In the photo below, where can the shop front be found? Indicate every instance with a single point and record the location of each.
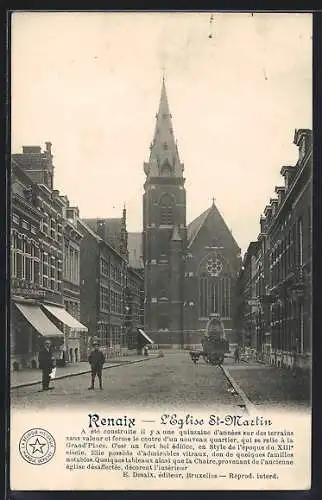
(29, 329)
(75, 334)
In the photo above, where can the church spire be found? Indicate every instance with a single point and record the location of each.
(164, 156)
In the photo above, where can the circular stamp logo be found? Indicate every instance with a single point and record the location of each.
(37, 446)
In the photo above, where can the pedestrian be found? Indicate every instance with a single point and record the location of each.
(236, 355)
(146, 350)
(46, 364)
(96, 359)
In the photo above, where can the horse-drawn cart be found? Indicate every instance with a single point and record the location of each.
(214, 344)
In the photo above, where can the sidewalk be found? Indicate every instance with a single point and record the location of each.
(265, 384)
(30, 376)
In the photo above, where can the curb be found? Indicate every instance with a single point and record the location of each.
(29, 384)
(248, 404)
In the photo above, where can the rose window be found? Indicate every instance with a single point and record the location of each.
(214, 266)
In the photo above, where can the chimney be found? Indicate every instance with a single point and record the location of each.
(100, 225)
(48, 147)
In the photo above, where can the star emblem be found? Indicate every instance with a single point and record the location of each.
(37, 446)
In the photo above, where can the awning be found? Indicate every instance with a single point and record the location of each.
(145, 336)
(39, 320)
(66, 318)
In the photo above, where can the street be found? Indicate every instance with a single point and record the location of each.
(172, 381)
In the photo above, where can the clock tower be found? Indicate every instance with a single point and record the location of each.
(164, 232)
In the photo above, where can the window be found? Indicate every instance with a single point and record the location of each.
(15, 219)
(166, 210)
(104, 267)
(53, 229)
(14, 255)
(215, 296)
(203, 296)
(300, 241)
(76, 268)
(45, 268)
(33, 229)
(116, 335)
(104, 298)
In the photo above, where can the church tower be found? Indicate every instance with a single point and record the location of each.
(164, 232)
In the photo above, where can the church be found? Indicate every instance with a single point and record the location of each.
(190, 270)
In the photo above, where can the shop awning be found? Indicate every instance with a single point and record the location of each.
(39, 320)
(66, 318)
(145, 336)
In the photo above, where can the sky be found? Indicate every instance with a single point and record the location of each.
(90, 83)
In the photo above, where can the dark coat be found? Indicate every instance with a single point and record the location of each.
(45, 360)
(96, 358)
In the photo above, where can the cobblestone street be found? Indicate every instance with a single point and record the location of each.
(173, 381)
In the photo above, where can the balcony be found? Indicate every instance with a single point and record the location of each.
(26, 288)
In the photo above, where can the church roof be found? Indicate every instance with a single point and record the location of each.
(196, 225)
(135, 249)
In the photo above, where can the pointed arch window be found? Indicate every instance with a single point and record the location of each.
(215, 296)
(215, 288)
(166, 210)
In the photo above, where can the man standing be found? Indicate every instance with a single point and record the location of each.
(236, 355)
(46, 364)
(96, 359)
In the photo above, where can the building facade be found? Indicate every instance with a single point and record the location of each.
(37, 237)
(103, 283)
(134, 320)
(283, 290)
(212, 265)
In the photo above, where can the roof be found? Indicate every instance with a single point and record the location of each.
(196, 225)
(135, 249)
(111, 229)
(89, 230)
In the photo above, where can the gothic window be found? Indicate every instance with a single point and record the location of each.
(166, 210)
(214, 266)
(214, 288)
